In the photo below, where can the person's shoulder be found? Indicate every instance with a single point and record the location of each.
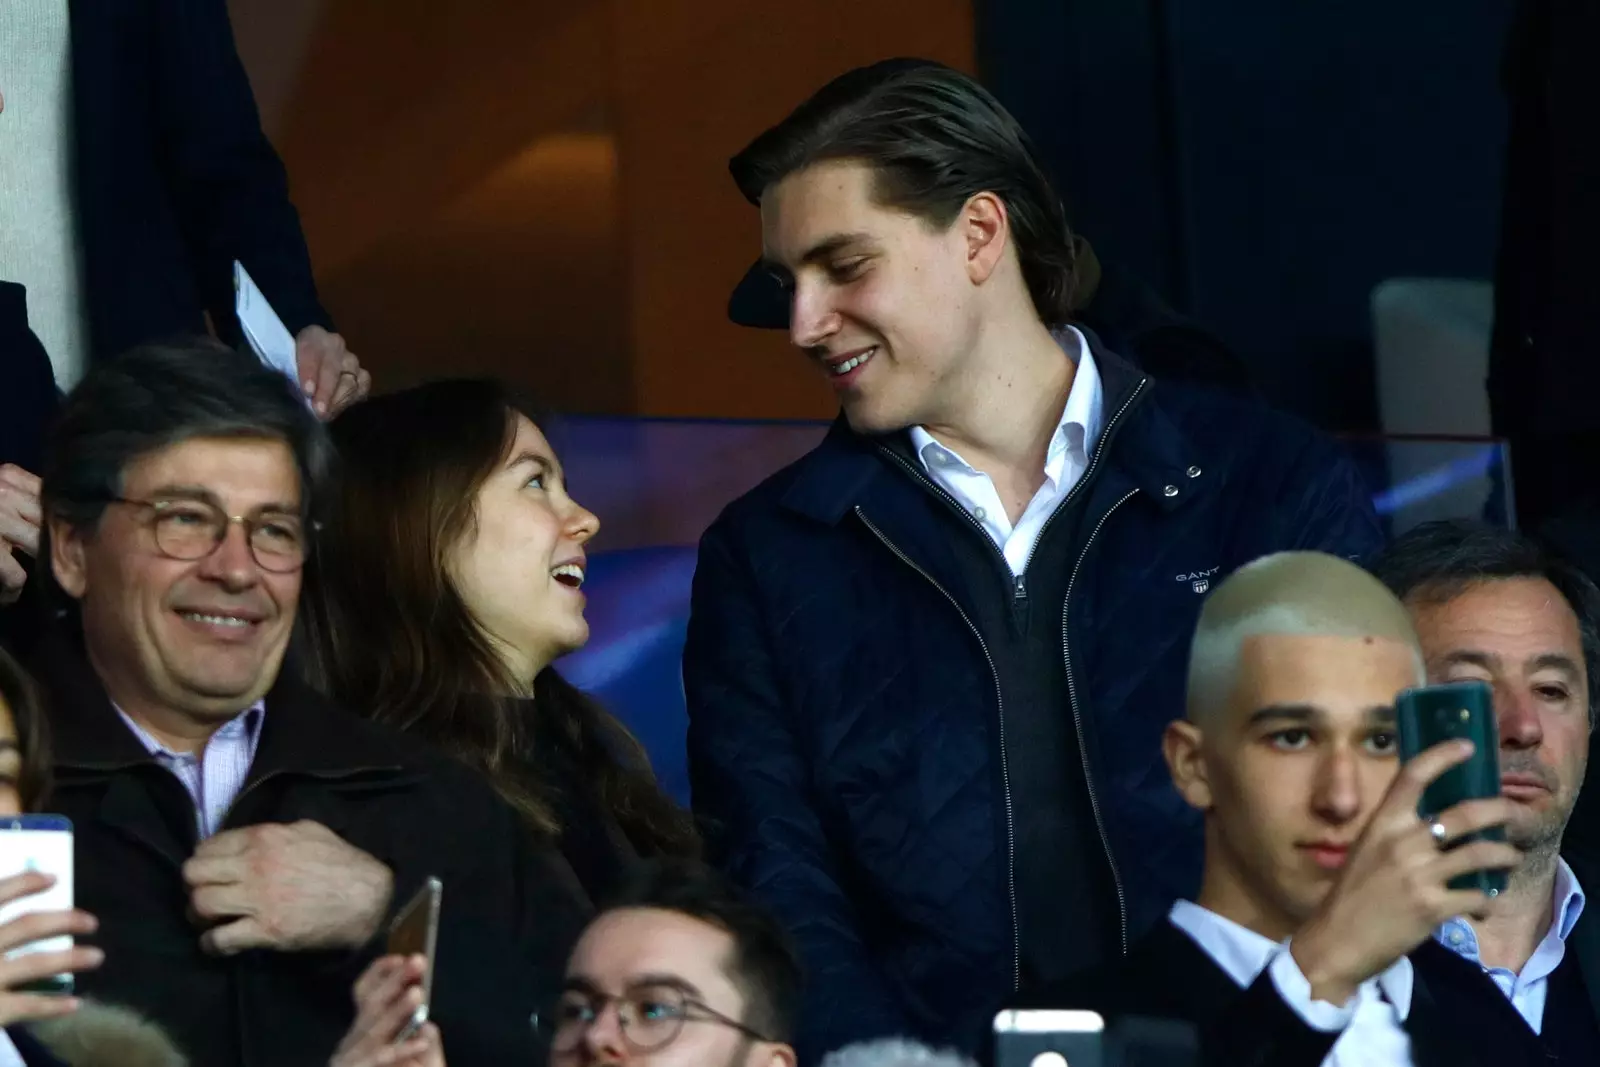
(1240, 430)
(839, 456)
(362, 740)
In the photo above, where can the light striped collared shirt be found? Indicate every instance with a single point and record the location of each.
(214, 775)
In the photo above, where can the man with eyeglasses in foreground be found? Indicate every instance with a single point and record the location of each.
(679, 970)
(241, 840)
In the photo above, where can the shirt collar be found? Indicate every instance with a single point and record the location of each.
(1082, 419)
(1568, 898)
(247, 722)
(1243, 954)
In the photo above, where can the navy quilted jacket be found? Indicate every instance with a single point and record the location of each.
(843, 719)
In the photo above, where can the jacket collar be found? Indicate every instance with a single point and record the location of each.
(1141, 444)
(302, 732)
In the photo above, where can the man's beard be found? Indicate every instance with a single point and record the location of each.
(1542, 836)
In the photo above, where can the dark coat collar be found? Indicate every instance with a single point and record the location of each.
(1584, 941)
(302, 731)
(1141, 443)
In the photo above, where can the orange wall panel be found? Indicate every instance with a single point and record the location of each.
(695, 81)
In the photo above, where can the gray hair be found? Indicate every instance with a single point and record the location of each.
(895, 1052)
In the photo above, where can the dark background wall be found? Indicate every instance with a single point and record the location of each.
(1265, 163)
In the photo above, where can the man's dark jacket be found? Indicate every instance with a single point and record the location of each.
(174, 181)
(1168, 976)
(175, 178)
(29, 384)
(511, 910)
(844, 730)
(1485, 1017)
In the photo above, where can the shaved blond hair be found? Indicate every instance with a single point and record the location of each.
(1292, 594)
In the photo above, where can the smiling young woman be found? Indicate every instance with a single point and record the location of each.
(443, 586)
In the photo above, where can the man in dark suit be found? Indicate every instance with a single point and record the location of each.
(133, 172)
(1319, 875)
(1491, 604)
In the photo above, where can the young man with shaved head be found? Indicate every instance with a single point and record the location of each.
(1319, 875)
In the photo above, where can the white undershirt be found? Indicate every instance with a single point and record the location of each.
(1371, 1024)
(1082, 420)
(9, 1056)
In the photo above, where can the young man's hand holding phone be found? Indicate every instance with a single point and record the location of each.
(1434, 849)
(393, 996)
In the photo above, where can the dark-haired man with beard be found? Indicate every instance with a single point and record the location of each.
(1491, 605)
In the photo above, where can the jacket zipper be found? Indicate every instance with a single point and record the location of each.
(1005, 766)
(1077, 722)
(1021, 589)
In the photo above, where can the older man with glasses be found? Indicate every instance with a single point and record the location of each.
(242, 841)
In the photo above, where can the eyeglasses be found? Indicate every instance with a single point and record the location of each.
(650, 1017)
(193, 529)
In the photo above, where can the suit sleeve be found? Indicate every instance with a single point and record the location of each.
(230, 192)
(752, 792)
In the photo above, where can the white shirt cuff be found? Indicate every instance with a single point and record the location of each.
(1295, 989)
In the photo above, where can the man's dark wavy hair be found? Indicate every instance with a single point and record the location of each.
(1438, 561)
(934, 138)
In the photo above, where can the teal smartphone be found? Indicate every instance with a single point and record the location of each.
(1433, 714)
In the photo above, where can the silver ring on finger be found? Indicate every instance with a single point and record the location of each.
(1437, 831)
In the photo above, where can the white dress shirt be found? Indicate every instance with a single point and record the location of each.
(1528, 989)
(1370, 1025)
(9, 1056)
(1073, 443)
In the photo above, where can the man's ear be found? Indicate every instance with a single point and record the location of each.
(778, 1056)
(1183, 746)
(68, 557)
(986, 229)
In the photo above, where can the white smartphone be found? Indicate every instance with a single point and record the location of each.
(1049, 1039)
(40, 843)
(415, 931)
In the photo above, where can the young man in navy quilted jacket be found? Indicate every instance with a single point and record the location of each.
(930, 663)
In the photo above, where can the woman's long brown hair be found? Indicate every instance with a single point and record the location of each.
(390, 638)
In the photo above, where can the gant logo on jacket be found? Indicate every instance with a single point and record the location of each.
(1199, 581)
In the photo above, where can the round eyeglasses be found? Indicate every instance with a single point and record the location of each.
(193, 529)
(650, 1017)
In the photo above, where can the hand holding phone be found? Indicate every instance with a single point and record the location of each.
(387, 996)
(1395, 887)
(1435, 714)
(33, 980)
(415, 933)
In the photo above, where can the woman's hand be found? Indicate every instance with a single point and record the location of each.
(37, 926)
